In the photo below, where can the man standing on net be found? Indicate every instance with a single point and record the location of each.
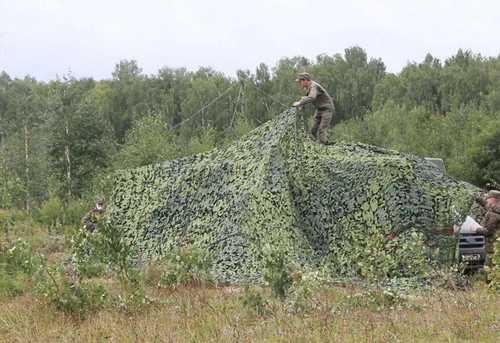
(319, 97)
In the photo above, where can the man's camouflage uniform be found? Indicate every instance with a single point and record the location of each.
(491, 220)
(319, 97)
(92, 218)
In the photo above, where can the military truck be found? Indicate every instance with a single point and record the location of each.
(471, 239)
(471, 244)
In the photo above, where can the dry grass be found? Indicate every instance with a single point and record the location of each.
(216, 315)
(211, 314)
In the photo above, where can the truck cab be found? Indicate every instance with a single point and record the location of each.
(471, 244)
(471, 238)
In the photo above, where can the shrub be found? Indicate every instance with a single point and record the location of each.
(77, 300)
(74, 213)
(494, 270)
(277, 272)
(51, 213)
(133, 297)
(86, 259)
(255, 301)
(17, 262)
(94, 254)
(6, 222)
(188, 265)
(10, 285)
(154, 272)
(450, 277)
(304, 286)
(104, 246)
(484, 155)
(382, 256)
(15, 223)
(92, 269)
(20, 257)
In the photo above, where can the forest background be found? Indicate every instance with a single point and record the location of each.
(61, 140)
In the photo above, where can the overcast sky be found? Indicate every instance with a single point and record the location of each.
(45, 38)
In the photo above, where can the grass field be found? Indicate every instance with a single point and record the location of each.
(217, 315)
(334, 313)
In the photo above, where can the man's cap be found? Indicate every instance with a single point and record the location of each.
(493, 194)
(99, 201)
(303, 76)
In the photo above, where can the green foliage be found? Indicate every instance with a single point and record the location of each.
(18, 262)
(187, 265)
(104, 247)
(255, 301)
(305, 285)
(277, 272)
(20, 257)
(56, 217)
(92, 269)
(494, 269)
(63, 136)
(450, 277)
(133, 299)
(201, 142)
(74, 212)
(78, 144)
(484, 153)
(373, 300)
(351, 80)
(149, 141)
(454, 137)
(103, 251)
(51, 213)
(76, 299)
(404, 256)
(6, 222)
(12, 190)
(10, 285)
(88, 261)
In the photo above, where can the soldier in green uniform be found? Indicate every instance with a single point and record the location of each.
(319, 97)
(491, 220)
(94, 216)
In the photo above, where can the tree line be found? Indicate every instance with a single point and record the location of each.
(62, 138)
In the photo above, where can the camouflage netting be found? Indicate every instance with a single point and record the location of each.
(276, 187)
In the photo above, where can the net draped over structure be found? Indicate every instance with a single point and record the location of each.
(276, 187)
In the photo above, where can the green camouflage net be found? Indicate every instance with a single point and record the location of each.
(332, 205)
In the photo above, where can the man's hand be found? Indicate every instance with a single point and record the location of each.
(296, 104)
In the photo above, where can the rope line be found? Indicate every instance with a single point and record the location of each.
(268, 96)
(204, 107)
(211, 102)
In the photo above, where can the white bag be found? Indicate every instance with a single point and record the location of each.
(468, 226)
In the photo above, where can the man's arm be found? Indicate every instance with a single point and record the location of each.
(313, 94)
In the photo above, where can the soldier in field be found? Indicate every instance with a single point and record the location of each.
(323, 103)
(94, 216)
(491, 220)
